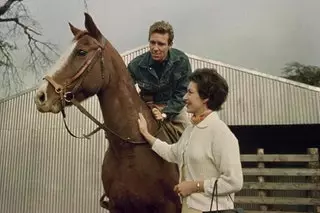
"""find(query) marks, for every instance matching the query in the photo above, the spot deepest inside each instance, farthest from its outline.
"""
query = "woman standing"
(207, 151)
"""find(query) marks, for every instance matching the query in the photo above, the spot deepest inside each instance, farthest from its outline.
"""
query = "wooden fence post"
(314, 179)
(261, 193)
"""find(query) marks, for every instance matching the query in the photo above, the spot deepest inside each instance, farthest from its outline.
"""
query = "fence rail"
(281, 172)
(288, 183)
(279, 158)
(274, 212)
(281, 186)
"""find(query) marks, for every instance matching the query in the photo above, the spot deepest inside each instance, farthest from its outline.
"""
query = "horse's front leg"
(169, 207)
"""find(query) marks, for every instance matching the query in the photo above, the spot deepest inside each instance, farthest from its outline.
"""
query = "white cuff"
(208, 186)
(156, 143)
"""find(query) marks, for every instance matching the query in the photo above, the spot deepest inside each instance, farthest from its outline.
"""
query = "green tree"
(307, 74)
(20, 31)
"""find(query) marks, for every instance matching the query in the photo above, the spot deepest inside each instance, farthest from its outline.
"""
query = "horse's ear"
(91, 27)
(73, 29)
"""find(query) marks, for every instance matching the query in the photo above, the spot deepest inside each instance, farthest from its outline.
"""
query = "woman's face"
(194, 103)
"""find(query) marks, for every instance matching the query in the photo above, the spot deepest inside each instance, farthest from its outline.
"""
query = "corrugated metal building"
(43, 169)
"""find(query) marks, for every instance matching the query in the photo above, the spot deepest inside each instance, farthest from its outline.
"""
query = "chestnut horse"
(135, 179)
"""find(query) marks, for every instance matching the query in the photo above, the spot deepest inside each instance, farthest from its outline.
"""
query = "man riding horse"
(162, 76)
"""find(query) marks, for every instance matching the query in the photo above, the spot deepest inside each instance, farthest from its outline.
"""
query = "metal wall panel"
(44, 169)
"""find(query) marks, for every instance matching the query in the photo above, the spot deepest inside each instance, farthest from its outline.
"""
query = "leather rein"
(69, 96)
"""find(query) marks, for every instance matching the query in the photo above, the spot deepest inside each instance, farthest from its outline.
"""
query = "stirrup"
(104, 204)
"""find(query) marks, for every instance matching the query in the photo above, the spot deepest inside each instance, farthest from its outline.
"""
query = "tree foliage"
(19, 31)
(307, 74)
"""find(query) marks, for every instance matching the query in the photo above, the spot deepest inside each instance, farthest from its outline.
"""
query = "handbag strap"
(214, 191)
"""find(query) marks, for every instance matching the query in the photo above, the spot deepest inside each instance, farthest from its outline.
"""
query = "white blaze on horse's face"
(43, 101)
(62, 60)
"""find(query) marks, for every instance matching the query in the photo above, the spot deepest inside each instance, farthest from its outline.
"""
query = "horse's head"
(81, 71)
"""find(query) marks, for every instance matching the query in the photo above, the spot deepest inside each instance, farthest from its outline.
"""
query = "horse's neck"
(120, 109)
(120, 103)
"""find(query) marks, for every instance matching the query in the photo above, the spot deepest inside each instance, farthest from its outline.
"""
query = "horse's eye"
(82, 53)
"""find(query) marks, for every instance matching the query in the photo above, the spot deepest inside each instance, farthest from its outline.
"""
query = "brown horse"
(134, 178)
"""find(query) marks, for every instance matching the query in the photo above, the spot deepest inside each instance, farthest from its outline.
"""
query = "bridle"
(68, 96)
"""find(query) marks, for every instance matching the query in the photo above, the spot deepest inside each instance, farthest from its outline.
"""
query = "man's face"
(159, 46)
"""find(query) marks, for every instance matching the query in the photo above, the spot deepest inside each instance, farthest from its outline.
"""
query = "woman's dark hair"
(210, 85)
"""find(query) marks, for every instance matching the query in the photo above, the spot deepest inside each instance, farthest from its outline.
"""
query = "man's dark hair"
(162, 27)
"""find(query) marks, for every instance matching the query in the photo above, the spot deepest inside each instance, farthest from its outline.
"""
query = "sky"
(257, 34)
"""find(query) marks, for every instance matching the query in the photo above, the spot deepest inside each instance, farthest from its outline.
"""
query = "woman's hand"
(185, 188)
(143, 128)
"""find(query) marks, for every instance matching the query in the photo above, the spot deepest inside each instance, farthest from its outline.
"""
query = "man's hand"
(157, 114)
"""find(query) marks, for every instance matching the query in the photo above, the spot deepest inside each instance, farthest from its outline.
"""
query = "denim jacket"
(170, 88)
